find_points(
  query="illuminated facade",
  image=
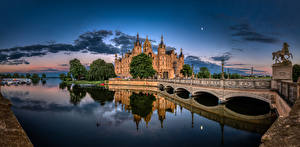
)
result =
(166, 62)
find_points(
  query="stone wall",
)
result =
(285, 130)
(133, 82)
(11, 132)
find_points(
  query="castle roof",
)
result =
(161, 44)
(147, 43)
(137, 42)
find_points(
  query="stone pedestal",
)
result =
(281, 72)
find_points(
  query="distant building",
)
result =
(166, 63)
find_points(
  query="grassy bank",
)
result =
(84, 82)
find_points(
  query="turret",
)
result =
(147, 46)
(161, 47)
(181, 54)
(137, 46)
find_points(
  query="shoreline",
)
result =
(11, 131)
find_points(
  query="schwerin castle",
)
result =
(166, 63)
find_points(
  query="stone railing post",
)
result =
(221, 83)
(298, 88)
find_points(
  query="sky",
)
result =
(42, 36)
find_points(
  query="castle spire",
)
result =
(137, 36)
(181, 55)
(162, 38)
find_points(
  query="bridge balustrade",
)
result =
(288, 91)
(226, 83)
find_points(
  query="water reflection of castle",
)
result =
(160, 104)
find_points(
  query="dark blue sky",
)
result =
(244, 30)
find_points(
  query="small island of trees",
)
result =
(98, 72)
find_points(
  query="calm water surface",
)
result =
(56, 115)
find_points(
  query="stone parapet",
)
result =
(133, 82)
(11, 132)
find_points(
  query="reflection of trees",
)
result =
(62, 85)
(35, 81)
(76, 94)
(44, 82)
(141, 104)
(101, 94)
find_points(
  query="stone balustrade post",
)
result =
(298, 88)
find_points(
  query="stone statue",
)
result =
(283, 56)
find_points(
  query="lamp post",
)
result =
(222, 69)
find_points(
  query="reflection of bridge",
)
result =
(217, 113)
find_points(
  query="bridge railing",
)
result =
(288, 91)
(217, 83)
(226, 83)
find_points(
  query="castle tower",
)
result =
(161, 47)
(137, 49)
(147, 47)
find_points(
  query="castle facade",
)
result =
(166, 63)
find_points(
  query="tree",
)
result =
(22, 76)
(8, 75)
(141, 66)
(69, 77)
(186, 70)
(100, 70)
(35, 78)
(296, 72)
(43, 76)
(16, 75)
(62, 76)
(235, 76)
(203, 73)
(28, 76)
(77, 69)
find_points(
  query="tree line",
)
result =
(99, 70)
(187, 71)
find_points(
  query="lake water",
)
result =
(56, 115)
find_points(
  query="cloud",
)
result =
(49, 70)
(246, 33)
(214, 68)
(126, 42)
(63, 65)
(94, 42)
(237, 49)
(237, 64)
(226, 56)
(14, 62)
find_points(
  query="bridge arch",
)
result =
(161, 87)
(169, 89)
(249, 95)
(183, 93)
(206, 98)
(248, 105)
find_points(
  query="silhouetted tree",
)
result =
(100, 70)
(77, 69)
(203, 73)
(141, 66)
(186, 70)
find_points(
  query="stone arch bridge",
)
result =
(223, 89)
(277, 96)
